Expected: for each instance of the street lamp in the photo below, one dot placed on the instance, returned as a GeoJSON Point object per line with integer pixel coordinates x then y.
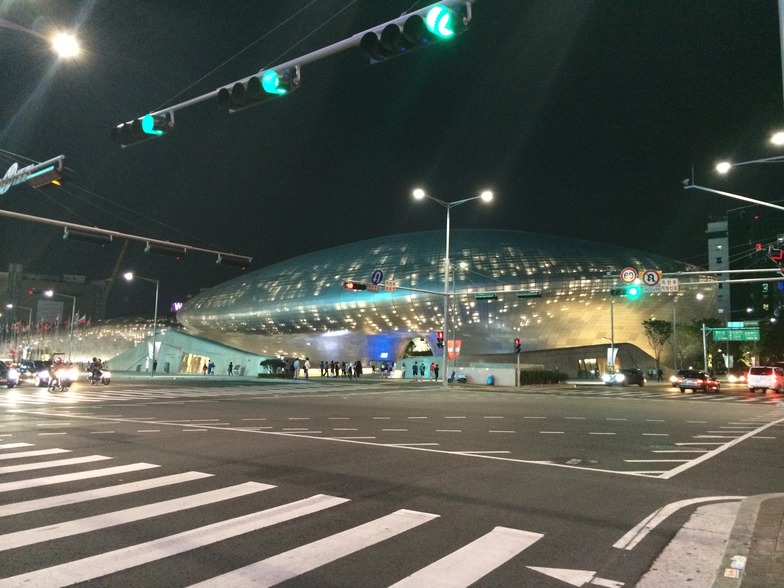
{"type": "Point", "coordinates": [419, 194]}
{"type": "Point", "coordinates": [130, 276]}
{"type": "Point", "coordinates": [49, 294]}
{"type": "Point", "coordinates": [723, 167]}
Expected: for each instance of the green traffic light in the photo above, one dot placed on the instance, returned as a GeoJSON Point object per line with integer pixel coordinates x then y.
{"type": "Point", "coordinates": [270, 81]}
{"type": "Point", "coordinates": [148, 125]}
{"type": "Point", "coordinates": [633, 292]}
{"type": "Point", "coordinates": [441, 22]}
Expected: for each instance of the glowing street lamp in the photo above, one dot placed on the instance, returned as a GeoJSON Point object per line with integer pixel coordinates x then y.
{"type": "Point", "coordinates": [420, 194]}
{"type": "Point", "coordinates": [65, 45]}
{"type": "Point", "coordinates": [130, 276]}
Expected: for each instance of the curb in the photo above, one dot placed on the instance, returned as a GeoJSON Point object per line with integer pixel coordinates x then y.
{"type": "Point", "coordinates": [733, 564]}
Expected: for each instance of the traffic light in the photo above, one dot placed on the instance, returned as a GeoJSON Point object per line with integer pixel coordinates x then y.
{"type": "Point", "coordinates": [517, 345]}
{"type": "Point", "coordinates": [633, 292]}
{"type": "Point", "coordinates": [440, 339]}
{"type": "Point", "coordinates": [438, 23]}
{"type": "Point", "coordinates": [352, 285]}
{"type": "Point", "coordinates": [141, 129]}
{"type": "Point", "coordinates": [48, 176]}
{"type": "Point", "coordinates": [259, 88]}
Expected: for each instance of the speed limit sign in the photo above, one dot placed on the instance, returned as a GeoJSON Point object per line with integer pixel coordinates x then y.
{"type": "Point", "coordinates": [628, 275]}
{"type": "Point", "coordinates": [651, 277]}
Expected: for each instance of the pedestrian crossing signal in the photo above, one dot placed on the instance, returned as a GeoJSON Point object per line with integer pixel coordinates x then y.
{"type": "Point", "coordinates": [517, 345]}
{"type": "Point", "coordinates": [440, 339]}
{"type": "Point", "coordinates": [633, 292]}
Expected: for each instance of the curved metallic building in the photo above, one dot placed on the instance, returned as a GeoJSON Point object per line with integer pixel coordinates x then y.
{"type": "Point", "coordinates": [300, 307]}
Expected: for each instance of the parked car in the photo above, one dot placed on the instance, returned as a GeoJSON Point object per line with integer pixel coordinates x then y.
{"type": "Point", "coordinates": [625, 377]}
{"type": "Point", "coordinates": [765, 378]}
{"type": "Point", "coordinates": [8, 375]}
{"type": "Point", "coordinates": [698, 380]}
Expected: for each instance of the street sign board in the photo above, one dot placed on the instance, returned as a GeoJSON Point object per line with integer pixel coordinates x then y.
{"type": "Point", "coordinates": [628, 275]}
{"type": "Point", "coordinates": [390, 285]}
{"type": "Point", "coordinates": [746, 334]}
{"type": "Point", "coordinates": [373, 288]}
{"type": "Point", "coordinates": [669, 284]}
{"type": "Point", "coordinates": [651, 277]}
{"type": "Point", "coordinates": [376, 276]}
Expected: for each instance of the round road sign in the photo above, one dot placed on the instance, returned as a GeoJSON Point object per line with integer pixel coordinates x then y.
{"type": "Point", "coordinates": [376, 276]}
{"type": "Point", "coordinates": [651, 277]}
{"type": "Point", "coordinates": [628, 275]}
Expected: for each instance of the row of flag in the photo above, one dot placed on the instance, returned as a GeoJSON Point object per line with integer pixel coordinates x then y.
{"type": "Point", "coordinates": [44, 326]}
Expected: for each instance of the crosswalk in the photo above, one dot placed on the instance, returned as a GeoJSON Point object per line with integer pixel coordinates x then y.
{"type": "Point", "coordinates": [28, 396]}
{"type": "Point", "coordinates": [25, 395]}
{"type": "Point", "coordinates": [34, 512]}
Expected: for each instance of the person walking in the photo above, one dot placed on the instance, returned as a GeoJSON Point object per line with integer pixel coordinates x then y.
{"type": "Point", "coordinates": [403, 371]}
{"type": "Point", "coordinates": [296, 368]}
{"type": "Point", "coordinates": [432, 371]}
{"type": "Point", "coordinates": [435, 370]}
{"type": "Point", "coordinates": [307, 367]}
{"type": "Point", "coordinates": [231, 369]}
{"type": "Point", "coordinates": [415, 372]}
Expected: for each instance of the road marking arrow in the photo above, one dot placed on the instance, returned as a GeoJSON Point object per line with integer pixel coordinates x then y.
{"type": "Point", "coordinates": [576, 577]}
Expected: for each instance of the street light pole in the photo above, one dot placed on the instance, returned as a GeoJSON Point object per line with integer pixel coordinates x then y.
{"type": "Point", "coordinates": [49, 294]}
{"type": "Point", "coordinates": [419, 194]}
{"type": "Point", "coordinates": [130, 276]}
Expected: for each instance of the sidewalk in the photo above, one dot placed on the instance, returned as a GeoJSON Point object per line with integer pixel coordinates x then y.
{"type": "Point", "coordinates": [754, 557]}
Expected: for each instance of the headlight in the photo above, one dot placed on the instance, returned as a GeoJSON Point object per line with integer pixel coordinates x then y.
{"type": "Point", "coordinates": [606, 377]}
{"type": "Point", "coordinates": [44, 374]}
{"type": "Point", "coordinates": [619, 377]}
{"type": "Point", "coordinates": [106, 374]}
{"type": "Point", "coordinates": [72, 374]}
{"type": "Point", "coordinates": [674, 379]}
{"type": "Point", "coordinates": [13, 374]}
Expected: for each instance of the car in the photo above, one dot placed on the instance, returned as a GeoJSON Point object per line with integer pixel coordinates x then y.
{"type": "Point", "coordinates": [624, 377]}
{"type": "Point", "coordinates": [8, 375]}
{"type": "Point", "coordinates": [675, 380]}
{"type": "Point", "coordinates": [765, 378]}
{"type": "Point", "coordinates": [698, 380]}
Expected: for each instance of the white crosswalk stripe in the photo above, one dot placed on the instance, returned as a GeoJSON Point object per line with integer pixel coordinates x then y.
{"type": "Point", "coordinates": [464, 566]}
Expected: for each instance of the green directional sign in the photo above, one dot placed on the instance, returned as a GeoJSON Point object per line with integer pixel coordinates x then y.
{"type": "Point", "coordinates": [745, 334]}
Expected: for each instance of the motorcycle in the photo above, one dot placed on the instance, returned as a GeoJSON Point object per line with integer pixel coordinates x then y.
{"type": "Point", "coordinates": [61, 379]}
{"type": "Point", "coordinates": [100, 377]}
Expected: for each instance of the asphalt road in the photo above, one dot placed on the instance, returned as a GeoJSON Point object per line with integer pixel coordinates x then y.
{"type": "Point", "coordinates": [365, 484]}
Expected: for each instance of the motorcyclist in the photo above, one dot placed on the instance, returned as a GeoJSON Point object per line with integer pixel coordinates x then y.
{"type": "Point", "coordinates": [96, 370]}
{"type": "Point", "coordinates": [58, 370]}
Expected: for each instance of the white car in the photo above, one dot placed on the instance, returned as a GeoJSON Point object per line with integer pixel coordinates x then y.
{"type": "Point", "coordinates": [765, 378]}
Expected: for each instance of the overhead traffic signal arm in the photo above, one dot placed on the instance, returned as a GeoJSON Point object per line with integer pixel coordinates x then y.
{"type": "Point", "coordinates": [437, 22]}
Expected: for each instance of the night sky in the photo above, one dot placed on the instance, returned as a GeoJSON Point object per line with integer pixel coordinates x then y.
{"type": "Point", "coordinates": [582, 116]}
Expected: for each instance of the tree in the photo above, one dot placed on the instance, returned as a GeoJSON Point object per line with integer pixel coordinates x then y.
{"type": "Point", "coordinates": [658, 333]}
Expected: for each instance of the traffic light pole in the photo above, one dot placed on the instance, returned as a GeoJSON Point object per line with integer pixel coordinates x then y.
{"type": "Point", "coordinates": [314, 56]}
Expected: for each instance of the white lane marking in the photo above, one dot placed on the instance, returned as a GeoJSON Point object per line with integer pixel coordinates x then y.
{"type": "Point", "coordinates": [34, 453]}
{"type": "Point", "coordinates": [551, 433]}
{"type": "Point", "coordinates": [51, 464]}
{"type": "Point", "coordinates": [395, 430]}
{"type": "Point", "coordinates": [51, 434]}
{"type": "Point", "coordinates": [111, 519]}
{"type": "Point", "coordinates": [292, 563]}
{"type": "Point", "coordinates": [75, 497]}
{"type": "Point", "coordinates": [649, 523]}
{"type": "Point", "coordinates": [500, 431]}
{"type": "Point", "coordinates": [15, 445]}
{"type": "Point", "coordinates": [720, 449]}
{"type": "Point", "coordinates": [410, 444]}
{"type": "Point", "coordinates": [534, 417]}
{"type": "Point", "coordinates": [473, 561]}
{"type": "Point", "coordinates": [481, 452]}
{"type": "Point", "coordinates": [62, 478]}
{"type": "Point", "coordinates": [591, 433]}
{"type": "Point", "coordinates": [656, 460]}
{"type": "Point", "coordinates": [449, 431]}
{"type": "Point", "coordinates": [122, 559]}
{"type": "Point", "coordinates": [655, 434]}
{"type": "Point", "coordinates": [679, 450]}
